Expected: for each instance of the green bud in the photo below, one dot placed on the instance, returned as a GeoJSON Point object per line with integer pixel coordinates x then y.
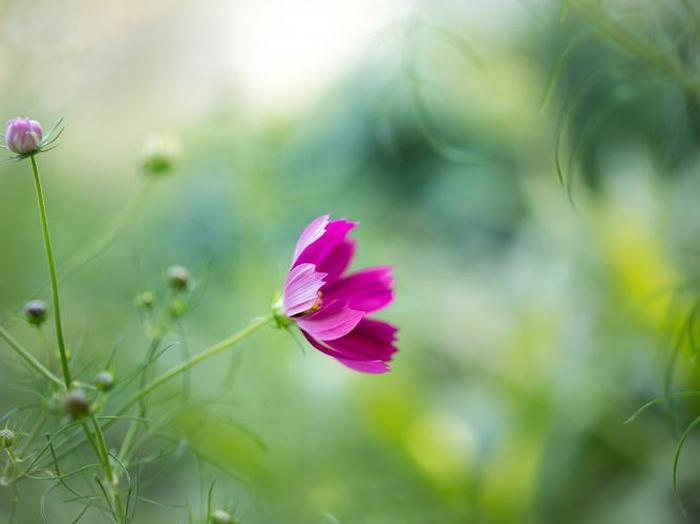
{"type": "Point", "coordinates": [179, 278]}
{"type": "Point", "coordinates": [177, 308]}
{"type": "Point", "coordinates": [35, 312]}
{"type": "Point", "coordinates": [145, 300]}
{"type": "Point", "coordinates": [221, 517]}
{"type": "Point", "coordinates": [160, 154]}
{"type": "Point", "coordinates": [7, 438]}
{"type": "Point", "coordinates": [104, 381]}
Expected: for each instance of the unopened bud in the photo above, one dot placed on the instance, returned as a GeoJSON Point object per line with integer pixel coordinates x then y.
{"type": "Point", "coordinates": [221, 517]}
{"type": "Point", "coordinates": [179, 278]}
{"type": "Point", "coordinates": [76, 403]}
{"type": "Point", "coordinates": [23, 135]}
{"type": "Point", "coordinates": [35, 312]}
{"type": "Point", "coordinates": [145, 300]}
{"type": "Point", "coordinates": [104, 381]}
{"type": "Point", "coordinates": [160, 154]}
{"type": "Point", "coordinates": [7, 438]}
{"type": "Point", "coordinates": [177, 308]}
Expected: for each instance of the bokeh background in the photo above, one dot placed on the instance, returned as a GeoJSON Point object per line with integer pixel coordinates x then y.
{"type": "Point", "coordinates": [529, 167]}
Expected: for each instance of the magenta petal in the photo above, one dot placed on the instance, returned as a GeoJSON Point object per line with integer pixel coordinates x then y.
{"type": "Point", "coordinates": [370, 340]}
{"type": "Point", "coordinates": [375, 367]}
{"type": "Point", "coordinates": [332, 321]}
{"type": "Point", "coordinates": [338, 260]}
{"type": "Point", "coordinates": [367, 348]}
{"type": "Point", "coordinates": [317, 252]}
{"type": "Point", "coordinates": [368, 290]}
{"type": "Point", "coordinates": [311, 234]}
{"type": "Point", "coordinates": [363, 366]}
{"type": "Point", "coordinates": [301, 289]}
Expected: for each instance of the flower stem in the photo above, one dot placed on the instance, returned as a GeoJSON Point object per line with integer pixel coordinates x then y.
{"type": "Point", "coordinates": [52, 274]}
{"type": "Point", "coordinates": [28, 357]}
{"type": "Point", "coordinates": [196, 359]}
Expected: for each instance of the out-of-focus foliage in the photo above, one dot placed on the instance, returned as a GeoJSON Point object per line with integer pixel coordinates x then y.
{"type": "Point", "coordinates": [536, 316]}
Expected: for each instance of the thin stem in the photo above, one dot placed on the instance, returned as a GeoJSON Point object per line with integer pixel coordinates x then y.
{"type": "Point", "coordinates": [134, 426]}
{"type": "Point", "coordinates": [128, 439]}
{"type": "Point", "coordinates": [91, 440]}
{"type": "Point", "coordinates": [196, 359]}
{"type": "Point", "coordinates": [52, 274]}
{"type": "Point", "coordinates": [146, 372]}
{"type": "Point", "coordinates": [102, 451]}
{"type": "Point", "coordinates": [186, 387]}
{"type": "Point", "coordinates": [110, 477]}
{"type": "Point", "coordinates": [148, 388]}
{"type": "Point", "coordinates": [28, 357]}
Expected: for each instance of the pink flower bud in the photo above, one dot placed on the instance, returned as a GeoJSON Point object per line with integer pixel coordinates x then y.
{"type": "Point", "coordinates": [23, 135]}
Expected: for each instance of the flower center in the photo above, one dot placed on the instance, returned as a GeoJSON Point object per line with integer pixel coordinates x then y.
{"type": "Point", "coordinates": [317, 305]}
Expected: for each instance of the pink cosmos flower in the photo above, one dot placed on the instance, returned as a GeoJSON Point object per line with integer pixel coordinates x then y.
{"type": "Point", "coordinates": [23, 135]}
{"type": "Point", "coordinates": [331, 308]}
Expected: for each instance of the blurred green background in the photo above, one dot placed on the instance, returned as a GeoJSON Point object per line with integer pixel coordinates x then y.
{"type": "Point", "coordinates": [536, 316]}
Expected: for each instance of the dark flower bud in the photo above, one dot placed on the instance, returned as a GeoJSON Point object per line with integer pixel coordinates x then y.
{"type": "Point", "coordinates": [145, 300]}
{"type": "Point", "coordinates": [7, 438]}
{"type": "Point", "coordinates": [35, 312]}
{"type": "Point", "coordinates": [179, 278]}
{"type": "Point", "coordinates": [76, 403]}
{"type": "Point", "coordinates": [104, 381]}
{"type": "Point", "coordinates": [221, 517]}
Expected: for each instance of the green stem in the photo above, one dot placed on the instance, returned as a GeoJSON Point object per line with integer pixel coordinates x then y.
{"type": "Point", "coordinates": [52, 274]}
{"type": "Point", "coordinates": [186, 387]}
{"type": "Point", "coordinates": [196, 359]}
{"type": "Point", "coordinates": [148, 388]}
{"type": "Point", "coordinates": [28, 357]}
{"type": "Point", "coordinates": [110, 477]}
{"type": "Point", "coordinates": [128, 439]}
{"type": "Point", "coordinates": [134, 426]}
{"type": "Point", "coordinates": [103, 451]}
